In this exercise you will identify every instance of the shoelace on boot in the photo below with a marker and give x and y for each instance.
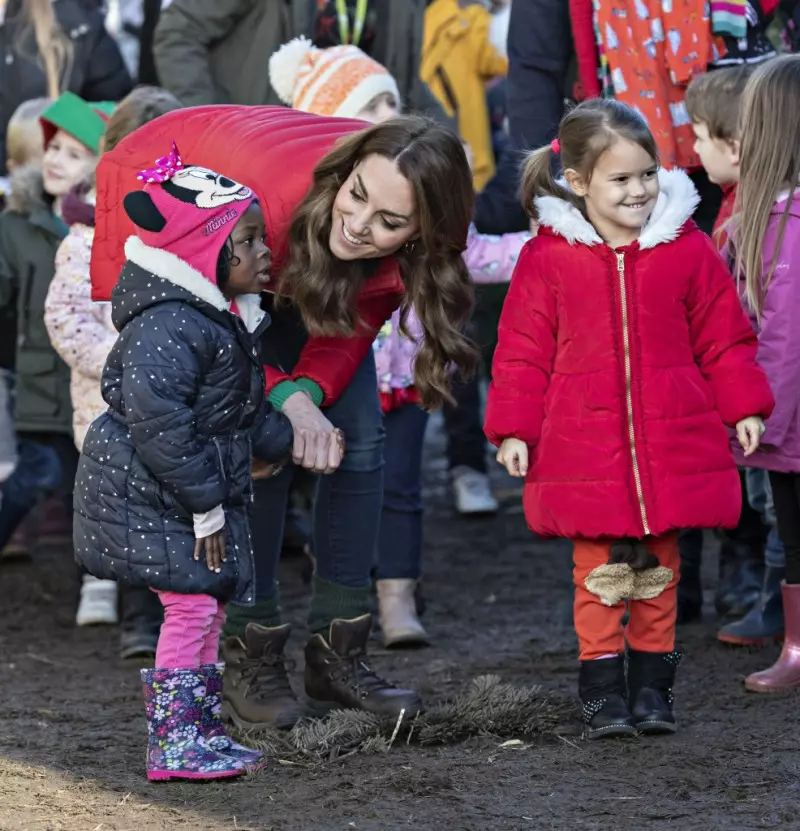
(359, 676)
(267, 675)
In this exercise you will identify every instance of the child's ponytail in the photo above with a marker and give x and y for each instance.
(585, 133)
(538, 180)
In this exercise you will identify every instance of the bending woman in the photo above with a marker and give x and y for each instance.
(359, 221)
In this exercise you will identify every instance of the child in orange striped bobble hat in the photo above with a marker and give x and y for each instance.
(340, 81)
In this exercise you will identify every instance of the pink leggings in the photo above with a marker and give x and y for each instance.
(190, 633)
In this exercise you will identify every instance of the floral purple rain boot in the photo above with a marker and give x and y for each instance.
(176, 747)
(213, 729)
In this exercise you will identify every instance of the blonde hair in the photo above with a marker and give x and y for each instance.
(52, 42)
(715, 99)
(24, 132)
(770, 162)
(585, 133)
(144, 104)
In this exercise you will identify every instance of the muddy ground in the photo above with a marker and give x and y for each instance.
(72, 727)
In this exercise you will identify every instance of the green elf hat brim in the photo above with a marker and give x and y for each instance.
(80, 119)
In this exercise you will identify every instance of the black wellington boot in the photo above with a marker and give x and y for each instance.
(601, 686)
(650, 679)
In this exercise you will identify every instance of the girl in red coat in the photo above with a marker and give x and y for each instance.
(623, 353)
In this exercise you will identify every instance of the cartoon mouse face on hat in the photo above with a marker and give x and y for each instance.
(187, 210)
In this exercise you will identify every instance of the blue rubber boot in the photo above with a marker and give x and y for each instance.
(763, 624)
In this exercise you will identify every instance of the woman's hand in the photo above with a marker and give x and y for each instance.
(513, 455)
(318, 446)
(749, 432)
(215, 550)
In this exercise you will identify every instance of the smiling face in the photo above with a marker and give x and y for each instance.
(622, 191)
(374, 213)
(66, 163)
(251, 260)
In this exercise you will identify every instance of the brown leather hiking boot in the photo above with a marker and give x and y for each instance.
(338, 677)
(256, 693)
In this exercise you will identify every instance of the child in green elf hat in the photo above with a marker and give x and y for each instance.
(31, 229)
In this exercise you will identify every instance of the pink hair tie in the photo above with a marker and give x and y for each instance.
(165, 167)
(555, 145)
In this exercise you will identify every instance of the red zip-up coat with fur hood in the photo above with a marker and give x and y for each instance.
(274, 151)
(620, 369)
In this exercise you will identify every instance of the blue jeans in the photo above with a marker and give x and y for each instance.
(38, 469)
(759, 494)
(347, 503)
(400, 542)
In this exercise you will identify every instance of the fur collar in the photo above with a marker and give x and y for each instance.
(169, 267)
(27, 191)
(675, 205)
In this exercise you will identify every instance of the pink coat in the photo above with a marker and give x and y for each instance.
(490, 259)
(80, 330)
(779, 346)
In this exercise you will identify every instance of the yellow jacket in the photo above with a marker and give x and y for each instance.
(457, 60)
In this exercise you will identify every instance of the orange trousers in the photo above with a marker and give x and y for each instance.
(651, 625)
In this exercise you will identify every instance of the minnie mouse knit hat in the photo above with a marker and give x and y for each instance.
(84, 121)
(187, 211)
(339, 81)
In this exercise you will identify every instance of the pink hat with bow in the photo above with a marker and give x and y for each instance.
(188, 211)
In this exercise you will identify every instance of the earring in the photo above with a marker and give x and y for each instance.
(410, 246)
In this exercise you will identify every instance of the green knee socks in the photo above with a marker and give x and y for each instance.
(264, 612)
(332, 600)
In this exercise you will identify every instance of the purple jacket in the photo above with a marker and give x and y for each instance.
(490, 259)
(779, 346)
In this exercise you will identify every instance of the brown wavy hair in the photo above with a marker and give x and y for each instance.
(432, 268)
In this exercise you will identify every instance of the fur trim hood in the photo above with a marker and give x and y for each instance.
(674, 207)
(27, 191)
(168, 267)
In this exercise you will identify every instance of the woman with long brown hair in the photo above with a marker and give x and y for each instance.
(48, 48)
(359, 222)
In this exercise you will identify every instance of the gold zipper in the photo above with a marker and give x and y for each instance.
(626, 343)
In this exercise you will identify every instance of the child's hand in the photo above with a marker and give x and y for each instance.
(749, 432)
(513, 455)
(215, 550)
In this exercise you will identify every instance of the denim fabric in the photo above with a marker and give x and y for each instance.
(347, 503)
(38, 469)
(759, 493)
(400, 541)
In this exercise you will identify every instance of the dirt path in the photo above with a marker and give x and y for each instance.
(72, 726)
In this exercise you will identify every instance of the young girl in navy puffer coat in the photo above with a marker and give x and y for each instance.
(163, 487)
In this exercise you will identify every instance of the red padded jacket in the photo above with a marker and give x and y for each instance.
(619, 370)
(274, 151)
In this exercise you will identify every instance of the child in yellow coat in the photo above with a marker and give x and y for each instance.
(457, 60)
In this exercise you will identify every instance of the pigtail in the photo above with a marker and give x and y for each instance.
(538, 180)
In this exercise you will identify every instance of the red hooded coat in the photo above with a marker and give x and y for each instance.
(274, 151)
(619, 370)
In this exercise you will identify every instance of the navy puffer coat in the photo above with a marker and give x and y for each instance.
(185, 390)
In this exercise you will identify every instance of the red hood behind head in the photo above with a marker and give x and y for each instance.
(272, 150)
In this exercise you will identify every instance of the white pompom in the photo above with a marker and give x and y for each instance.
(284, 67)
